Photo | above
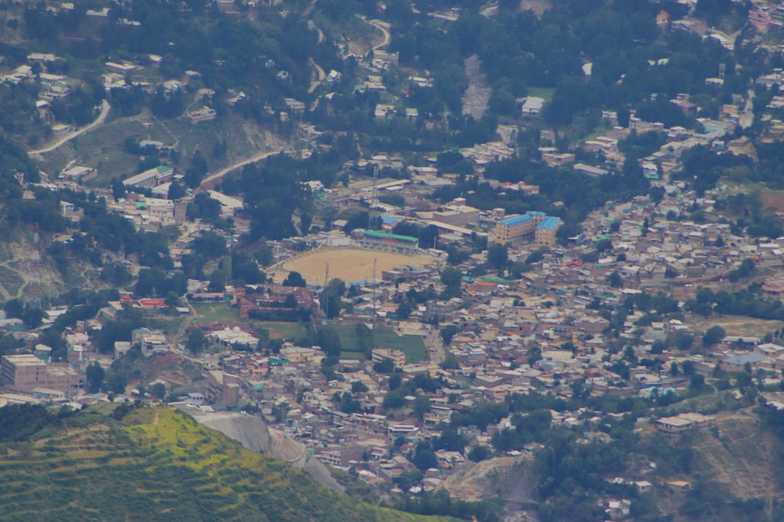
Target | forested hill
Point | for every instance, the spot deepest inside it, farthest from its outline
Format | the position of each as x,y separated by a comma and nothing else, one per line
153,464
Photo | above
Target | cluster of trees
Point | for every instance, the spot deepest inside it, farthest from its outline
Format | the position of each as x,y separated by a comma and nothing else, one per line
273,194
748,303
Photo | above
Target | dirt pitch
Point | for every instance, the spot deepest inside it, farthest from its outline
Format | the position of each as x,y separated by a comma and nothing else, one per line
348,264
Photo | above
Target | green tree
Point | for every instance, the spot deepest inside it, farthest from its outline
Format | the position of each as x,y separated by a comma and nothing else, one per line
294,279
94,376
196,341
713,336
498,256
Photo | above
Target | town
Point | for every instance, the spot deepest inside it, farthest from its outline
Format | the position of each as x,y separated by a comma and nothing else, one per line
414,313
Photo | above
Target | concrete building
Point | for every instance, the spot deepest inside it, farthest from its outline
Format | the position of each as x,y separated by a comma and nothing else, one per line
397,357
547,230
517,227
26,372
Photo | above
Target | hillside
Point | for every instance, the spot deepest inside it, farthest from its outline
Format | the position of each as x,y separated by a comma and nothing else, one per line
160,464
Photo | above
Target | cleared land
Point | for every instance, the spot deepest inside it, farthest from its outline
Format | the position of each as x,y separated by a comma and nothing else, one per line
216,313
739,325
381,337
348,264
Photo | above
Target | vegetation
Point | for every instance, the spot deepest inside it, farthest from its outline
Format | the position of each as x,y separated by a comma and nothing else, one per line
154,464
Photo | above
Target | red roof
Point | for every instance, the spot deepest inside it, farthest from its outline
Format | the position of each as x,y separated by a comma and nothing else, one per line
152,302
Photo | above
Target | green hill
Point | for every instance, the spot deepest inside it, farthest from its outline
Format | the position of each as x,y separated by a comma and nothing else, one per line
160,464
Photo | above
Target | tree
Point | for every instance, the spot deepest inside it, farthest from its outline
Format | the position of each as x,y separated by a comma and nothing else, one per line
498,256
421,406
158,390
94,376
196,341
358,387
294,279
217,281
447,333
424,458
615,280
452,279
697,382
329,341
331,296
479,453
713,336
197,170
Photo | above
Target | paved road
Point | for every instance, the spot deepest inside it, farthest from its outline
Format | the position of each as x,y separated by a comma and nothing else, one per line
105,108
384,28
213,179
320,76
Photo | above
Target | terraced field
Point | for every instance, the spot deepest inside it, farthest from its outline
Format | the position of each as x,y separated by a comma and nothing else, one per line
159,464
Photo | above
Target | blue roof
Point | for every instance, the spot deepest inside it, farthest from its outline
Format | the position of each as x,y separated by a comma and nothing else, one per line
389,219
522,218
742,359
549,223
516,220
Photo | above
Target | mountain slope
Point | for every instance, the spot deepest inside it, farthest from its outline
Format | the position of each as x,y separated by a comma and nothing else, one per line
160,464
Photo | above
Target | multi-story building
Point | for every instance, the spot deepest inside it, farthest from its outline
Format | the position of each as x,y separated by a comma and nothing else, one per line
546,230
26,372
517,227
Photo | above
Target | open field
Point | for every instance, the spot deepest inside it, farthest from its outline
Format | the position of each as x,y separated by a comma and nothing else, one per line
383,337
348,264
282,329
542,92
739,325
216,313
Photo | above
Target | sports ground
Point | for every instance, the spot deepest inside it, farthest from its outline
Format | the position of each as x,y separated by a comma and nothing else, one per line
349,264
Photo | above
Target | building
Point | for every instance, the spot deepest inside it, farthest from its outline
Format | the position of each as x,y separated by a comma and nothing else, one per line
23,371
26,372
150,178
532,106
387,241
397,357
517,227
547,231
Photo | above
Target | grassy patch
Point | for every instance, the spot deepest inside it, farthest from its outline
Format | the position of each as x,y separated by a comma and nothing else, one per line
542,92
159,465
383,337
289,331
216,313
10,281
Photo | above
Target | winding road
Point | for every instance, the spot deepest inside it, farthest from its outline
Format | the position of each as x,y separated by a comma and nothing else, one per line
384,28
213,179
100,120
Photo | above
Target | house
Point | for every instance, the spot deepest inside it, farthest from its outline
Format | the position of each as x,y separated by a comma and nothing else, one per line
532,106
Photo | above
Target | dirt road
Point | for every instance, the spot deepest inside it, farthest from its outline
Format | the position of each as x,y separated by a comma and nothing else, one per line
213,179
100,120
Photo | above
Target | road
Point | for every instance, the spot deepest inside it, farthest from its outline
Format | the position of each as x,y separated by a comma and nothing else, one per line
384,28
747,117
320,76
105,108
213,179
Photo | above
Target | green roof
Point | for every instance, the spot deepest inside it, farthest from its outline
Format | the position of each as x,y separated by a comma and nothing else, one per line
495,279
389,235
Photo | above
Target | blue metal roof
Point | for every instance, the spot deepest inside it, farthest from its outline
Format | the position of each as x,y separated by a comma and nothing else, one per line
549,223
516,220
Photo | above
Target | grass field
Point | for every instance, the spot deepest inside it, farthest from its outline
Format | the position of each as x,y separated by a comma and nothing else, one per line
542,92
739,325
348,264
383,337
283,330
216,313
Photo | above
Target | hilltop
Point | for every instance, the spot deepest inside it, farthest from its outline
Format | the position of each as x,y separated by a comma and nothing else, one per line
159,464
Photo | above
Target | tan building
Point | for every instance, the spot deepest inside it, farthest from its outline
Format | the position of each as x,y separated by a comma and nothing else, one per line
382,354
517,227
26,372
